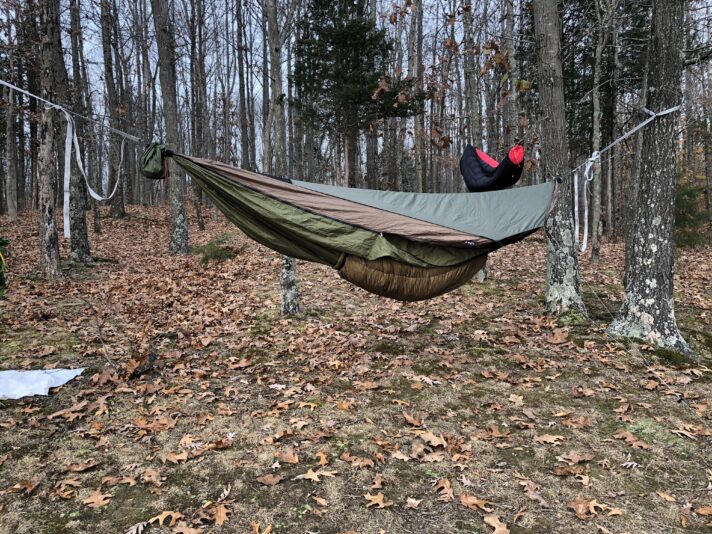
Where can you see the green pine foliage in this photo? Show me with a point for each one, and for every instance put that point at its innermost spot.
(340, 64)
(690, 215)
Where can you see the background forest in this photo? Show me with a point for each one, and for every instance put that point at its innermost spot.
(428, 80)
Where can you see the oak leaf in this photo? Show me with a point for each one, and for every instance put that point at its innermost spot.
(473, 503)
(170, 516)
(494, 522)
(377, 500)
(548, 438)
(97, 499)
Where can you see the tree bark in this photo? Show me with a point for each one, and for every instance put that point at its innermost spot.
(472, 105)
(167, 64)
(563, 292)
(49, 243)
(11, 156)
(79, 243)
(648, 309)
(288, 274)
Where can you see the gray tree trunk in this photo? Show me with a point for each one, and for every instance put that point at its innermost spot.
(167, 64)
(474, 130)
(80, 250)
(49, 243)
(288, 274)
(563, 292)
(596, 96)
(648, 310)
(11, 156)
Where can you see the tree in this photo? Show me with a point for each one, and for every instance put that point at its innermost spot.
(288, 273)
(340, 71)
(167, 65)
(605, 10)
(648, 309)
(49, 243)
(563, 292)
(112, 101)
(79, 244)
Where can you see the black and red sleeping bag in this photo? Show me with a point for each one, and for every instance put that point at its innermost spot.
(482, 173)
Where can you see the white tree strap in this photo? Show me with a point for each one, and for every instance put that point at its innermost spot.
(57, 106)
(71, 138)
(588, 172)
(576, 208)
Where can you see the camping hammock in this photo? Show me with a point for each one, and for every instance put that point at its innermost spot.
(405, 246)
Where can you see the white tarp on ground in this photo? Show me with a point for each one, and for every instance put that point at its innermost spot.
(18, 384)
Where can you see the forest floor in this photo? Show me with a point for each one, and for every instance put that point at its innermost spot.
(364, 415)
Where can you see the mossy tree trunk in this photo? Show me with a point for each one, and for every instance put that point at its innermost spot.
(165, 40)
(563, 292)
(648, 310)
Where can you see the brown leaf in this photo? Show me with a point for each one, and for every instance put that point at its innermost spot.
(705, 510)
(164, 516)
(220, 514)
(444, 488)
(665, 496)
(288, 457)
(581, 507)
(377, 482)
(494, 522)
(473, 503)
(82, 466)
(412, 503)
(377, 500)
(97, 499)
(270, 480)
(548, 438)
(26, 487)
(412, 420)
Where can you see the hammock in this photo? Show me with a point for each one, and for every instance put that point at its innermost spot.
(405, 246)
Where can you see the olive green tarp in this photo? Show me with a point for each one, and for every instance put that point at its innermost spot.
(407, 246)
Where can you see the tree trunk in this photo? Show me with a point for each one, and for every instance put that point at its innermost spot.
(648, 310)
(79, 243)
(596, 96)
(49, 244)
(510, 110)
(167, 64)
(563, 292)
(288, 275)
(117, 204)
(11, 156)
(472, 105)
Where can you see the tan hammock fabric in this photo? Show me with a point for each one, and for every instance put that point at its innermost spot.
(392, 279)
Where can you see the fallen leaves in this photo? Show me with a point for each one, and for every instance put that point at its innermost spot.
(474, 503)
(378, 500)
(444, 488)
(97, 499)
(169, 516)
(548, 439)
(631, 440)
(270, 480)
(494, 522)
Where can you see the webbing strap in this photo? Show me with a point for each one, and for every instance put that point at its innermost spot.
(71, 138)
(588, 172)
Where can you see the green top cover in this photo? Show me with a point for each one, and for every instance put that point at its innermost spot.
(496, 215)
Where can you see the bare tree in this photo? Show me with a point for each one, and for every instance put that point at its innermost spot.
(648, 310)
(563, 292)
(165, 40)
(288, 274)
(49, 243)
